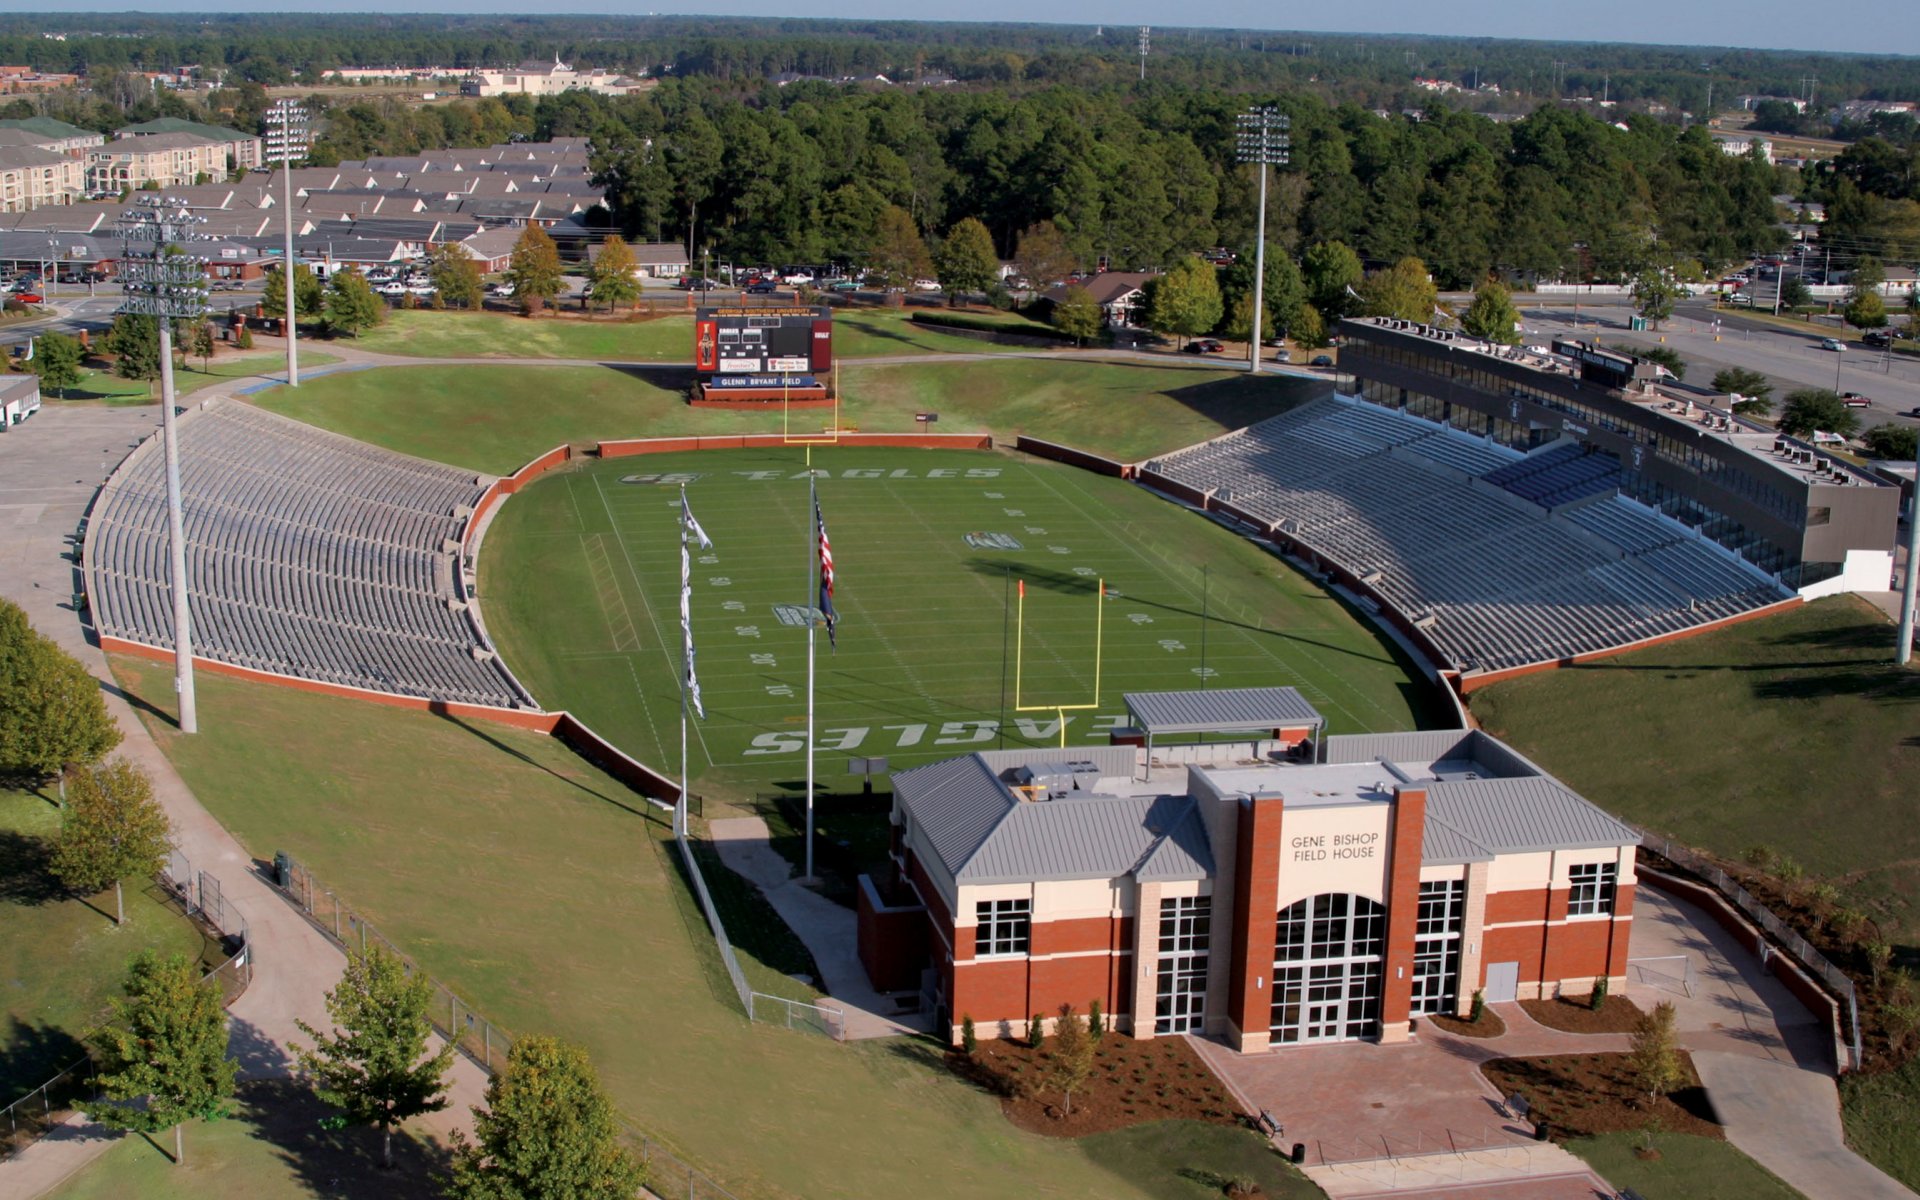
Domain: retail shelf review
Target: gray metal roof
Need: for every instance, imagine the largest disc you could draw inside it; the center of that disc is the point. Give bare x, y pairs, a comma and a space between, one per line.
1226, 710
984, 833
1423, 746
1443, 844
1517, 816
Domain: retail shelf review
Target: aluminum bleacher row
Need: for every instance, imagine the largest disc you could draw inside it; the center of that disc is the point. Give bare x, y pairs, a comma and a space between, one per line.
308, 554
1469, 540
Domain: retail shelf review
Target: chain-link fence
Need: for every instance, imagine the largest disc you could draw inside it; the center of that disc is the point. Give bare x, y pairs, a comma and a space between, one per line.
201, 898
797, 1014
1785, 936
668, 1175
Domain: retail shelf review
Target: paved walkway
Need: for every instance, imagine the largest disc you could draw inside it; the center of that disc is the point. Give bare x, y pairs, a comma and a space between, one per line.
828, 929
49, 468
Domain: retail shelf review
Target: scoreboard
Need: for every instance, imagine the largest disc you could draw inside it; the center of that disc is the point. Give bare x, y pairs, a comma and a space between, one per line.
740, 341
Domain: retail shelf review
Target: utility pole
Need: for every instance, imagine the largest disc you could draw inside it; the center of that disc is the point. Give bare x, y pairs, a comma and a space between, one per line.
286, 140
1264, 141
1146, 38
1903, 654
168, 286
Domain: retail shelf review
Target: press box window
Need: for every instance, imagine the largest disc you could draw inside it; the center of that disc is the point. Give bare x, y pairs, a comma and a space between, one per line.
1001, 926
1591, 894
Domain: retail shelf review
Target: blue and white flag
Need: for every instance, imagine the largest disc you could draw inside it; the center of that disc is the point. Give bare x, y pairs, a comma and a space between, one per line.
690, 531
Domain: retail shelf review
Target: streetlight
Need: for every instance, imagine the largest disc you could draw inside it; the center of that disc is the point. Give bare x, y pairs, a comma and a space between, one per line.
166, 285
286, 140
1263, 140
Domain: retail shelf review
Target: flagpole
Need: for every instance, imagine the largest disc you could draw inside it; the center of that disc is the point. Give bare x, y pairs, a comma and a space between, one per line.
686, 666
813, 508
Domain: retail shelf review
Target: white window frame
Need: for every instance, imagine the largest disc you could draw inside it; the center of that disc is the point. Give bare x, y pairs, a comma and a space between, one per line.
1592, 889
1003, 923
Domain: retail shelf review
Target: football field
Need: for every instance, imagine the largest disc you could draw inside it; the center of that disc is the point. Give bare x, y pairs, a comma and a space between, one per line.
937, 651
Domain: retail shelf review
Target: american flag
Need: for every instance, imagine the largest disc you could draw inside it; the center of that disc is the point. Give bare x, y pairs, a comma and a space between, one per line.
826, 576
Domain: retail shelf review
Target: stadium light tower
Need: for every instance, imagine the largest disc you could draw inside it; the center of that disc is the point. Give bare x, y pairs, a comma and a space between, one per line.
167, 285
287, 130
1264, 141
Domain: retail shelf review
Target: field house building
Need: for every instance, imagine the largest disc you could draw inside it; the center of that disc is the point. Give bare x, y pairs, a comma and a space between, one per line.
1815, 522
1291, 888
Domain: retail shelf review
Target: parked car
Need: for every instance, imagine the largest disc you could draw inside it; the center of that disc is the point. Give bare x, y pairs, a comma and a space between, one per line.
501, 290
844, 285
1855, 400
1881, 338
1832, 344
1204, 346
422, 288
1912, 412
926, 285
30, 297
797, 278
1321, 360
762, 287
393, 288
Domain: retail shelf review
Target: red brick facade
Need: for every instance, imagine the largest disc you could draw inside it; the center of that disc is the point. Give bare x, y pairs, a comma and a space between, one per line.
1257, 867
1403, 908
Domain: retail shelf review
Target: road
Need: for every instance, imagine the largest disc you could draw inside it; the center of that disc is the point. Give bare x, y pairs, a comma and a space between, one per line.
95, 313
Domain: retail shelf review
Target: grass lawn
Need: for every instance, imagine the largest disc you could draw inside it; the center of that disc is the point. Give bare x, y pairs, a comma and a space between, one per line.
1881, 1114
105, 385
423, 333
61, 959
529, 882
494, 419
580, 578
1794, 732
1689, 1168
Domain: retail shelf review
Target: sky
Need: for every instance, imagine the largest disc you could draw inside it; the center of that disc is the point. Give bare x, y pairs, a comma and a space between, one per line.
1769, 24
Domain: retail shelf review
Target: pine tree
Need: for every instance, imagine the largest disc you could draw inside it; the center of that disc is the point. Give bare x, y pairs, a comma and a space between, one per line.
547, 1131
352, 307
1491, 315
376, 1070
113, 831
611, 278
966, 261
455, 276
1076, 315
534, 269
134, 341
56, 360
51, 715
164, 1055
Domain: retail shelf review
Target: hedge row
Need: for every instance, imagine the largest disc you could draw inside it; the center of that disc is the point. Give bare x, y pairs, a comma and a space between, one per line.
982, 324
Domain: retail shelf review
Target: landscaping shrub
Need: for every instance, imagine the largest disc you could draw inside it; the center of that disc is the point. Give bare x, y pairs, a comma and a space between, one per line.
1036, 1031
1479, 1006
1598, 999
969, 1041
1096, 1021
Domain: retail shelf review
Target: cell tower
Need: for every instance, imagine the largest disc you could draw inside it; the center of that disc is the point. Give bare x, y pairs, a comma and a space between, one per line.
1146, 39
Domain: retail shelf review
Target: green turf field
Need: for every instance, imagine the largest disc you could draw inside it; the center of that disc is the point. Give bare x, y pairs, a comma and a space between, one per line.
580, 577
495, 419
1794, 732
62, 959
1689, 1168
529, 882
858, 333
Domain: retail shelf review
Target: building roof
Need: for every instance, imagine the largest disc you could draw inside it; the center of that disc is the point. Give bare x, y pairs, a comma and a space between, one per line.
1225, 710
48, 128
1107, 287
15, 157
1514, 816
213, 133
984, 832
153, 143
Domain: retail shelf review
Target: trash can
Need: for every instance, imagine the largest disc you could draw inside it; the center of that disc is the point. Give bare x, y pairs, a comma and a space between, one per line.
282, 869
1299, 1155
1540, 1132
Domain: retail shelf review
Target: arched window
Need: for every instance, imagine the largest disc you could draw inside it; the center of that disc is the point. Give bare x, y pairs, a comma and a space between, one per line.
1329, 956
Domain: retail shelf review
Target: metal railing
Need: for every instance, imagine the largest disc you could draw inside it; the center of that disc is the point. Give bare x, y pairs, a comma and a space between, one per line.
720, 938
1670, 971
1419, 1143
200, 897
798, 1014
1784, 935
668, 1175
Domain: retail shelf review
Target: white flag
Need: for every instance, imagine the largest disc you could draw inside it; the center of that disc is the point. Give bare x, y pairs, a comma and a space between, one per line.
690, 529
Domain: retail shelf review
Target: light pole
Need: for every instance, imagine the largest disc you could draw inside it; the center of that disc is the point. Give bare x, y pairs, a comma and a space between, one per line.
1904, 653
1263, 141
287, 128
167, 286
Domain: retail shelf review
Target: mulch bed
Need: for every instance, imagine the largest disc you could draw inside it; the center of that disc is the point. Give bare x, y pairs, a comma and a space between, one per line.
1133, 1082
1574, 1015
1580, 1094
1488, 1026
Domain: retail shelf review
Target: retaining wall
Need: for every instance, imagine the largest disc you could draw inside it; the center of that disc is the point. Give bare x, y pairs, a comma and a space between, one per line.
770, 441
1072, 457
501, 488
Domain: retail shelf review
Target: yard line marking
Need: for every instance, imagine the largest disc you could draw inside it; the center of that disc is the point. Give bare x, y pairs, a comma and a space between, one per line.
618, 617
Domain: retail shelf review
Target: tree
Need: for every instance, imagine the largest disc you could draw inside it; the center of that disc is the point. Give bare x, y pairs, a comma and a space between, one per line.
1308, 328
1492, 315
1653, 1057
1043, 255
611, 277
309, 294
1403, 290
1817, 410
1749, 387
534, 269
1865, 309
1072, 1059
200, 341
351, 306
56, 360
51, 715
113, 831
898, 254
455, 276
134, 341
1653, 296
1794, 293
1186, 300
547, 1131
1667, 357
164, 1055
966, 261
1076, 314
1895, 442
376, 1070
1331, 270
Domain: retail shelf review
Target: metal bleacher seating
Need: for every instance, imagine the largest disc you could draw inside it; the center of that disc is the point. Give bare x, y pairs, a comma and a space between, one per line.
308, 554
1549, 563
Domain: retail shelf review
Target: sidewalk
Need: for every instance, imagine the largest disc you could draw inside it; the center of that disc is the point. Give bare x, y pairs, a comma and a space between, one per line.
49, 469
